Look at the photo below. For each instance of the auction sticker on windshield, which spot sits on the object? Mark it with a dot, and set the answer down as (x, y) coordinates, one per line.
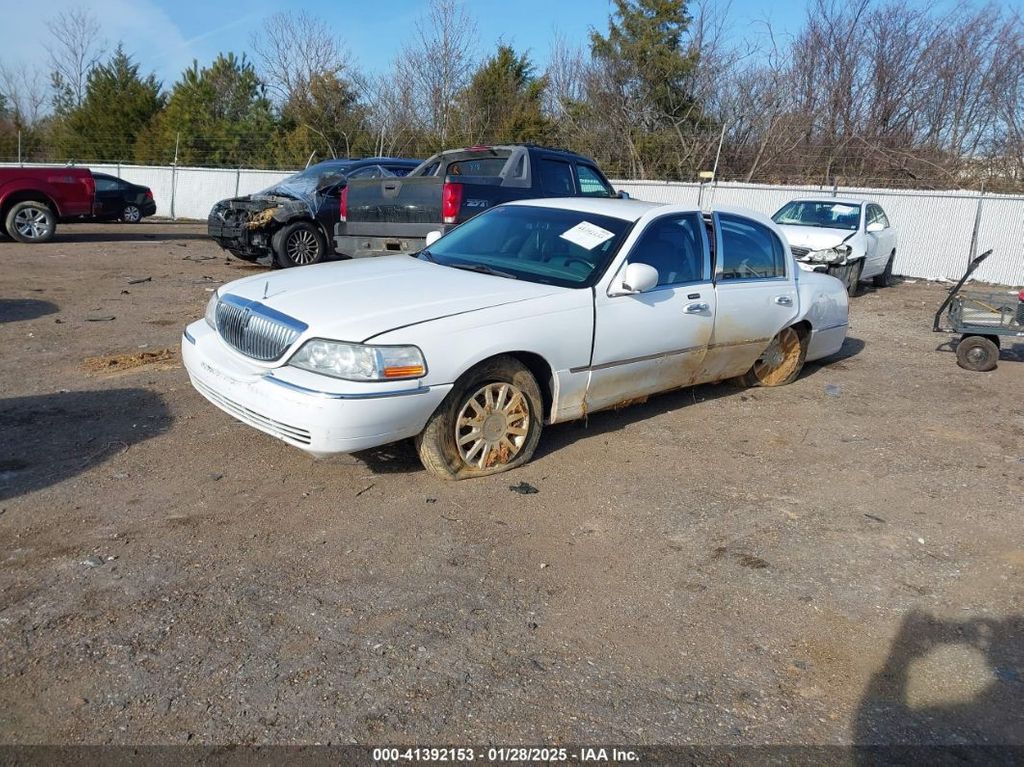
(587, 235)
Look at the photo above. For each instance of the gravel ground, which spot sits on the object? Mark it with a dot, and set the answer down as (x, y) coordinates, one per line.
(836, 561)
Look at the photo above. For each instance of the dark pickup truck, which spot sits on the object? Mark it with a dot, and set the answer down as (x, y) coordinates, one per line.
(394, 215)
(33, 200)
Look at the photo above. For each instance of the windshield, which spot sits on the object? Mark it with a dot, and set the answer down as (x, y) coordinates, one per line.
(556, 247)
(833, 215)
(305, 182)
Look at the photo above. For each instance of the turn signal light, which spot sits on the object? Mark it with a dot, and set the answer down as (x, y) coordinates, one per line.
(405, 371)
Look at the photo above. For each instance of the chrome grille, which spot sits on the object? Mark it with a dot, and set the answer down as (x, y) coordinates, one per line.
(256, 330)
(799, 252)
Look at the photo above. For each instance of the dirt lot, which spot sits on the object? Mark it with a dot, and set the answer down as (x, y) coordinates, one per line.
(836, 561)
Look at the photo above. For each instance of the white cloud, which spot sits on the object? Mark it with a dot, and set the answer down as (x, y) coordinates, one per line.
(149, 35)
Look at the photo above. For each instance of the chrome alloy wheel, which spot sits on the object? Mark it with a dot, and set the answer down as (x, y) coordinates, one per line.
(302, 247)
(31, 223)
(131, 214)
(492, 425)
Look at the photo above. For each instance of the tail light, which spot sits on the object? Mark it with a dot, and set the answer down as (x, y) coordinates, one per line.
(451, 201)
(149, 194)
(343, 206)
(90, 184)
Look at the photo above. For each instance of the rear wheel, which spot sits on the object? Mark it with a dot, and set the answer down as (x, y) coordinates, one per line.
(977, 353)
(299, 244)
(780, 363)
(489, 423)
(131, 214)
(884, 280)
(31, 222)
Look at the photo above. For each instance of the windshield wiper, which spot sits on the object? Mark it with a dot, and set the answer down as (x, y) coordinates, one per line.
(426, 254)
(481, 269)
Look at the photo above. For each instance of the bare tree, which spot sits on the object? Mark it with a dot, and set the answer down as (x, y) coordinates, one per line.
(26, 93)
(292, 49)
(75, 50)
(436, 65)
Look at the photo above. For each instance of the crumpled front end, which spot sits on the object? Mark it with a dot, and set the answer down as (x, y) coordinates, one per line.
(245, 225)
(821, 259)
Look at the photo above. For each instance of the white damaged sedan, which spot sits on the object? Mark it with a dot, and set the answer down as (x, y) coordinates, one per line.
(850, 239)
(532, 313)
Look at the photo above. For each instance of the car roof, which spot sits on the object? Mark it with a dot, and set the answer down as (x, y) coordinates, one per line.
(344, 162)
(831, 200)
(627, 210)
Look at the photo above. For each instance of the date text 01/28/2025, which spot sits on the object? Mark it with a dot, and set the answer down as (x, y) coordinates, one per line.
(500, 754)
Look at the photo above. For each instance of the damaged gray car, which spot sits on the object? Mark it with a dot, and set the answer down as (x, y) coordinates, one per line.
(293, 221)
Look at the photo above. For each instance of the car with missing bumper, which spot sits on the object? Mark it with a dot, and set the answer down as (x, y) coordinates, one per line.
(532, 313)
(293, 221)
(852, 240)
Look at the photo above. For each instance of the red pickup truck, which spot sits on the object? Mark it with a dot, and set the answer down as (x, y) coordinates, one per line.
(33, 200)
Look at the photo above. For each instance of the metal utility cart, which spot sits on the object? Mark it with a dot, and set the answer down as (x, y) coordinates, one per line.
(981, 318)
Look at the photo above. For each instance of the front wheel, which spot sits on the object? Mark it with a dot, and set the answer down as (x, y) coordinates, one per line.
(299, 244)
(489, 423)
(977, 353)
(131, 214)
(780, 363)
(31, 222)
(849, 275)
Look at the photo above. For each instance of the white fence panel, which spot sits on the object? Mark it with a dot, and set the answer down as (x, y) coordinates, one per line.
(934, 227)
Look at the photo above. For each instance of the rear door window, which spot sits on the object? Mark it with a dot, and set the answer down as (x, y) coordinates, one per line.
(556, 178)
(750, 251)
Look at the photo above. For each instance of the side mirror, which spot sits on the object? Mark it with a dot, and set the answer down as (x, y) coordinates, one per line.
(624, 195)
(639, 278)
(432, 237)
(875, 227)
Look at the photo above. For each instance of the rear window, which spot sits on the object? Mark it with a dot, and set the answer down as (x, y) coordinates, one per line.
(485, 166)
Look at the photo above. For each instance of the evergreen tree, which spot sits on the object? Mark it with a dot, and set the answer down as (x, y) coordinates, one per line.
(221, 114)
(504, 101)
(117, 106)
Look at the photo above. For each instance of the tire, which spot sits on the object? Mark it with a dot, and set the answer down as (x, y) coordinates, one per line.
(884, 280)
(250, 257)
(447, 447)
(780, 363)
(299, 244)
(851, 277)
(977, 353)
(31, 222)
(132, 214)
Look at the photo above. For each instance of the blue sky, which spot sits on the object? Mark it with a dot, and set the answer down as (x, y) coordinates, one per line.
(165, 36)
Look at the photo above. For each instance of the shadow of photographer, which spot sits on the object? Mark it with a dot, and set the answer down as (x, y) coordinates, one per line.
(958, 684)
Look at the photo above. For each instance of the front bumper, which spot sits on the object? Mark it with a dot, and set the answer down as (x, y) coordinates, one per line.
(339, 417)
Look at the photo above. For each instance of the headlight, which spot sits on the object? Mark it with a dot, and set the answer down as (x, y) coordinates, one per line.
(356, 362)
(211, 310)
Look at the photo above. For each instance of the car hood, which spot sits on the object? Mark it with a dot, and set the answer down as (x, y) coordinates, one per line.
(814, 237)
(358, 299)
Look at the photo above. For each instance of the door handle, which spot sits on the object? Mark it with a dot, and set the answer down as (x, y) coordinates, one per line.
(783, 300)
(696, 308)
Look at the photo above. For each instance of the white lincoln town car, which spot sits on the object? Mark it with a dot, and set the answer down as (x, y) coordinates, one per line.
(532, 313)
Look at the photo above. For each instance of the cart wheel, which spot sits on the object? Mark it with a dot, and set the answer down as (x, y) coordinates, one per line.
(977, 353)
